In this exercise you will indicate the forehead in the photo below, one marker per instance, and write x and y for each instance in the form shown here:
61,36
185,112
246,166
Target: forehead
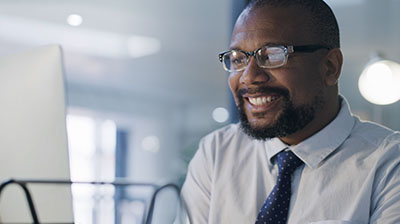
272,25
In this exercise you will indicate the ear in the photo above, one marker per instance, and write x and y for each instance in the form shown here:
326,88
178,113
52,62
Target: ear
333,66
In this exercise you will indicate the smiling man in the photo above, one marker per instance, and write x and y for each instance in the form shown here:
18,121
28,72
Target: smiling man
298,155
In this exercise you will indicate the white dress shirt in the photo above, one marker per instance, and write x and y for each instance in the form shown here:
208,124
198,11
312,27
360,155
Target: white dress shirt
351,174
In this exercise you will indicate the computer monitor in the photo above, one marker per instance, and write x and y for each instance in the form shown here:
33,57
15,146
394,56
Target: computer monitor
33,138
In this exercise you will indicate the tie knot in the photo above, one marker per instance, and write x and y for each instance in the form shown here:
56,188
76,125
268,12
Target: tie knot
288,162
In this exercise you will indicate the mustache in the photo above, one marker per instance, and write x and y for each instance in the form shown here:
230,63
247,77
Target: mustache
264,90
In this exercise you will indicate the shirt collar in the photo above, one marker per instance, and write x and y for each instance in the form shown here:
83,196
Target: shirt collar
274,146
316,148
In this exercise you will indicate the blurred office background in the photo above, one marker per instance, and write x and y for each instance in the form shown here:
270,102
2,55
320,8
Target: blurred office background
144,83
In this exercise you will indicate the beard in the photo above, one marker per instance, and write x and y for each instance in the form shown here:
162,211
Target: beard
292,118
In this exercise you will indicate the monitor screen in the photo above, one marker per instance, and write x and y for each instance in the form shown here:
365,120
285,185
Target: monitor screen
33,138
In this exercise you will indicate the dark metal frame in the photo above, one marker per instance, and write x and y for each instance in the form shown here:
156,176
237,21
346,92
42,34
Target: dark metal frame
287,49
24,182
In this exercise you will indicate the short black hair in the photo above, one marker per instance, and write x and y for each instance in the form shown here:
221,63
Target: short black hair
323,20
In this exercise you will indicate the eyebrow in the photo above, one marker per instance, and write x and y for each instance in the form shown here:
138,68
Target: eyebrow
271,44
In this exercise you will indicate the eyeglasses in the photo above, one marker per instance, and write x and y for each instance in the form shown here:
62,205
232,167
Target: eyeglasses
266,56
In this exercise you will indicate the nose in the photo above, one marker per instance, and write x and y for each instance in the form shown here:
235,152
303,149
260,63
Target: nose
254,74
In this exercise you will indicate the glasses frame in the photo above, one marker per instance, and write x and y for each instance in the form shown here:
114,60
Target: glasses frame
288,49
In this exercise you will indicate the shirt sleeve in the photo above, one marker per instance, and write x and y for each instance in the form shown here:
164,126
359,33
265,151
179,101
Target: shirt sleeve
386,198
196,191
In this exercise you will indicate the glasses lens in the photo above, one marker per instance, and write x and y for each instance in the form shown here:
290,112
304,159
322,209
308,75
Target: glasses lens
234,60
271,57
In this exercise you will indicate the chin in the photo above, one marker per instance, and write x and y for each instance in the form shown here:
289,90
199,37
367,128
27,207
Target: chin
289,120
262,123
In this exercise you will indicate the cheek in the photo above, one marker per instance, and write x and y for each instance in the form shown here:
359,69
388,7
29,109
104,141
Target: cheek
233,82
304,86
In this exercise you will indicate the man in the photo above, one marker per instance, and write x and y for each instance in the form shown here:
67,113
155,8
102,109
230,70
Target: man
298,154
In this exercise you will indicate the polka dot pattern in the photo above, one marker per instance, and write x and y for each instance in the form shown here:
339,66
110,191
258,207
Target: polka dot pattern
276,207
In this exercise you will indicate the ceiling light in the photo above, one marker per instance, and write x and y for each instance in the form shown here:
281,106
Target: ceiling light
74,20
220,114
82,40
151,143
379,82
139,46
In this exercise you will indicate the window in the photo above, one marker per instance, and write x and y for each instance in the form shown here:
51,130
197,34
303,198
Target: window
92,151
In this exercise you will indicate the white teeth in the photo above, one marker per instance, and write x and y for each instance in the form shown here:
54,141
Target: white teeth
262,100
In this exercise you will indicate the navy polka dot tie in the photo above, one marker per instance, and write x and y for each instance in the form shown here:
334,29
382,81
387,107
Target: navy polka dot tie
276,207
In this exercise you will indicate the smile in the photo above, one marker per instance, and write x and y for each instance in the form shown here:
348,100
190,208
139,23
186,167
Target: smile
262,100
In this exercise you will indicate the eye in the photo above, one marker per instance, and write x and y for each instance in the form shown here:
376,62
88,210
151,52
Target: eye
271,57
238,61
234,60
237,57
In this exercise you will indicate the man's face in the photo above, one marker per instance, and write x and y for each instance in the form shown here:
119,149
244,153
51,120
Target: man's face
281,101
